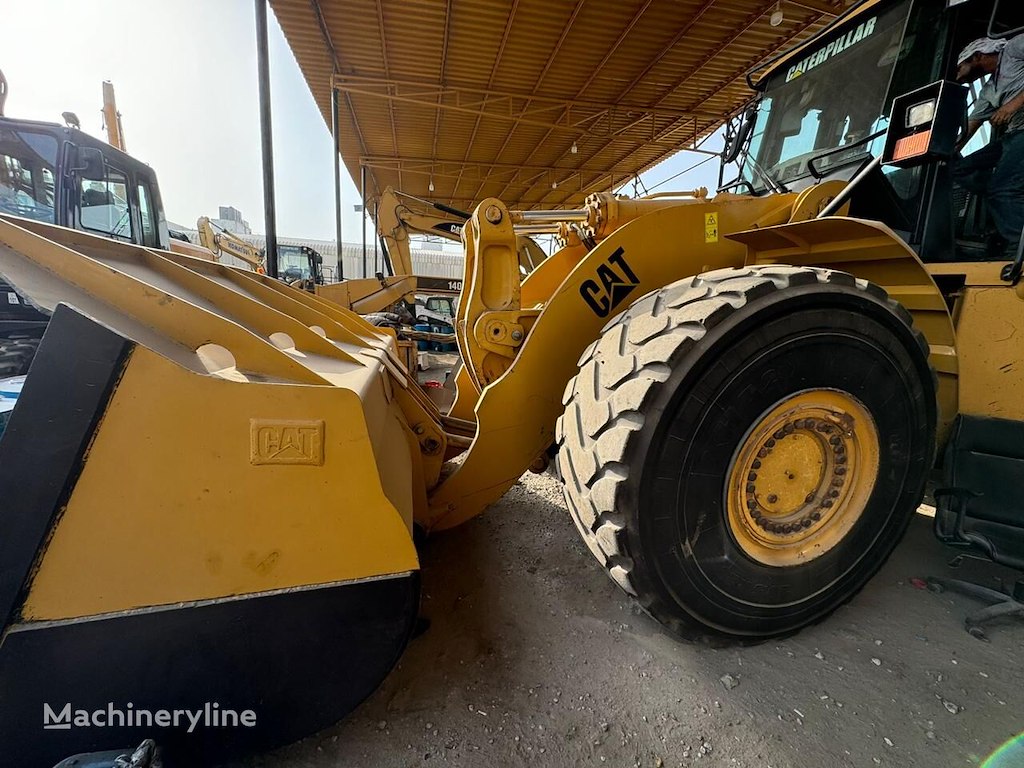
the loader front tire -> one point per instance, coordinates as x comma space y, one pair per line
743, 450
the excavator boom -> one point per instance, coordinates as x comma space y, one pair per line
225, 242
112, 118
399, 215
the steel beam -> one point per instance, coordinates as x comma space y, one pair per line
266, 138
336, 156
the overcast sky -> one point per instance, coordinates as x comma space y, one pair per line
185, 77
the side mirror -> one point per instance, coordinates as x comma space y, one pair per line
89, 164
925, 124
736, 135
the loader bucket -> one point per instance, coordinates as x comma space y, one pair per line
205, 507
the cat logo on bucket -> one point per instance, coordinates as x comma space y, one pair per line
274, 441
614, 281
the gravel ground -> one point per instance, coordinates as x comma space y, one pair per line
534, 657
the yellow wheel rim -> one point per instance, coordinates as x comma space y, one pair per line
802, 477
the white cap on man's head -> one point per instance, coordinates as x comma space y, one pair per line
981, 45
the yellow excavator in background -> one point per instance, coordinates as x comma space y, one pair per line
220, 241
400, 215
744, 395
298, 265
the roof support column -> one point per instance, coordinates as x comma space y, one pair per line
335, 131
266, 137
362, 208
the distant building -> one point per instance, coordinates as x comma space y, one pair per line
230, 218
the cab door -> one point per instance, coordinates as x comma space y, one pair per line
988, 308
103, 202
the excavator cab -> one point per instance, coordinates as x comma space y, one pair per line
300, 263
60, 175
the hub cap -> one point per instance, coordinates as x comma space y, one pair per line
802, 477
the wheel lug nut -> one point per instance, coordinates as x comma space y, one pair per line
751, 505
806, 522
762, 453
788, 429
840, 470
827, 504
815, 516
833, 493
769, 443
750, 487
841, 459
752, 476
809, 499
835, 440
756, 464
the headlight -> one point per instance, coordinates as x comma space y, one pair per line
921, 114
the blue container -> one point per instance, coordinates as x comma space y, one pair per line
422, 346
448, 347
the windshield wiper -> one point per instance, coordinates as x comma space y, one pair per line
776, 186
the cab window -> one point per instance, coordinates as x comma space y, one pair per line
103, 205
441, 306
27, 177
149, 228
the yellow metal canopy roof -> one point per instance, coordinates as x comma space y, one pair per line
537, 102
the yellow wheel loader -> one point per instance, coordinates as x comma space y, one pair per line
211, 480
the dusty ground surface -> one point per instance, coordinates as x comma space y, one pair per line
534, 657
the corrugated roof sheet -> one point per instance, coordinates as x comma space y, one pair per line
482, 98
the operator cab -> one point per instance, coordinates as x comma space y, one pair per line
63, 176
300, 262
58, 175
824, 111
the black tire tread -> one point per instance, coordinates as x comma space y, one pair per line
604, 402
